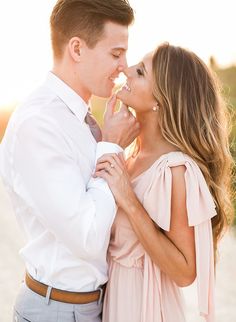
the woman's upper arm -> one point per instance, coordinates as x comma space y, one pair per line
180, 233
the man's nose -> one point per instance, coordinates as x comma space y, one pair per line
122, 64
126, 71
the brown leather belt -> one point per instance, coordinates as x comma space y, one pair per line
63, 296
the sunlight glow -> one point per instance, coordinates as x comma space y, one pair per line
206, 27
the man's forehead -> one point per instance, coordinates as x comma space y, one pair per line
116, 35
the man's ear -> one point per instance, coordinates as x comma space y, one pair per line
75, 46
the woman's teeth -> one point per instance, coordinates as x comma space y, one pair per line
126, 87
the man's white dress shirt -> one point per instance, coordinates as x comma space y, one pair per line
48, 156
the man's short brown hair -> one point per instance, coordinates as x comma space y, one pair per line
85, 19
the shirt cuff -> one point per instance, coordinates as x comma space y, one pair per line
107, 147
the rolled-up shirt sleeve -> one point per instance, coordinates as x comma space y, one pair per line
48, 176
103, 148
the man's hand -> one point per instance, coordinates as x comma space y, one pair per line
119, 127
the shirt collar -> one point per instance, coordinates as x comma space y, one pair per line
72, 100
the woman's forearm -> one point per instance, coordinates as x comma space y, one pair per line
159, 247
173, 251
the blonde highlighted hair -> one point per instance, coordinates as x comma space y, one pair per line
194, 118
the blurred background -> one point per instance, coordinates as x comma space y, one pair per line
206, 27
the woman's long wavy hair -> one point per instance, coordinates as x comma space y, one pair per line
193, 117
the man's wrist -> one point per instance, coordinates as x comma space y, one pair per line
106, 138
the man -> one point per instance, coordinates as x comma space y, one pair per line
48, 157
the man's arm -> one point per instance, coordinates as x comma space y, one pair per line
48, 175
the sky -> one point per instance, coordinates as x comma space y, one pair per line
206, 27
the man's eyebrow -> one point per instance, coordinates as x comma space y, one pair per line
142, 64
119, 48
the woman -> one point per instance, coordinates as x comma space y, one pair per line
173, 193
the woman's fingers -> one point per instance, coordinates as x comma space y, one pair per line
106, 166
114, 161
104, 175
106, 157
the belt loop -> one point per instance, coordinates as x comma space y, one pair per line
47, 298
100, 296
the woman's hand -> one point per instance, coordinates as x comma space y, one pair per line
112, 168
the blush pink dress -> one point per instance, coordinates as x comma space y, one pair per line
137, 290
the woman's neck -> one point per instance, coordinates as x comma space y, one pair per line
150, 139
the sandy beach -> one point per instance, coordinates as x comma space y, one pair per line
12, 270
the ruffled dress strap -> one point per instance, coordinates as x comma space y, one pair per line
200, 210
